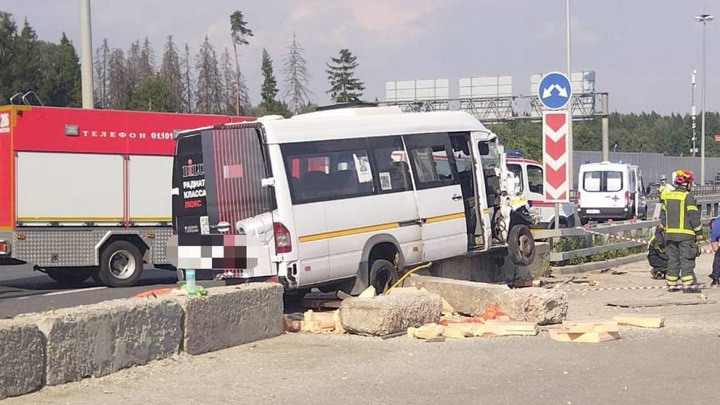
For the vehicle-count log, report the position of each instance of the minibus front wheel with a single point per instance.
(383, 275)
(521, 245)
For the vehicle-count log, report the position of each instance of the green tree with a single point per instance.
(61, 84)
(8, 34)
(268, 90)
(154, 93)
(239, 32)
(344, 87)
(26, 64)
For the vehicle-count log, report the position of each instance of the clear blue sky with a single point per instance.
(643, 51)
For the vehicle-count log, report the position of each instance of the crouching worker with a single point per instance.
(657, 257)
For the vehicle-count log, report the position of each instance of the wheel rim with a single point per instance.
(525, 246)
(122, 264)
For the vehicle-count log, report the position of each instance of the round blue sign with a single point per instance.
(554, 90)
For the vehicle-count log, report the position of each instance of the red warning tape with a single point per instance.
(654, 287)
(644, 241)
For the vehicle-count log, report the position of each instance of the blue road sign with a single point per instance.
(554, 90)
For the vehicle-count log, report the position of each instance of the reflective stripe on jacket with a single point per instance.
(680, 214)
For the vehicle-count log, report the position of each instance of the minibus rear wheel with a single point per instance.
(383, 275)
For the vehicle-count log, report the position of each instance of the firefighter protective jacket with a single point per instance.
(680, 216)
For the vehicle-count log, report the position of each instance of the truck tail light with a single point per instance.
(3, 247)
(283, 241)
(627, 199)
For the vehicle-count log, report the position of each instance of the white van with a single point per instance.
(328, 199)
(611, 191)
(530, 175)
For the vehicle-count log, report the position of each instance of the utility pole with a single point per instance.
(693, 112)
(704, 19)
(571, 174)
(86, 58)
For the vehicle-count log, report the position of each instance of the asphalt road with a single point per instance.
(24, 290)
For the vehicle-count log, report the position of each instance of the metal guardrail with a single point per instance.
(708, 206)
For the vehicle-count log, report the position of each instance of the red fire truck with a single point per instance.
(86, 193)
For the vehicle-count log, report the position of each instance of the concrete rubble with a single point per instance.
(100, 339)
(22, 358)
(543, 306)
(225, 318)
(387, 314)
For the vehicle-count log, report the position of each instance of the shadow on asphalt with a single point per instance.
(39, 284)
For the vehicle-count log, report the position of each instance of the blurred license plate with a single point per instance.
(593, 211)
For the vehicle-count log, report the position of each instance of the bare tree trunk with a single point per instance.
(237, 80)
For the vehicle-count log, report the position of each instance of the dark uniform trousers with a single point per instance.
(681, 262)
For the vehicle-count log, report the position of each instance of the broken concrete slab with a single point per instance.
(100, 339)
(538, 305)
(386, 314)
(232, 316)
(22, 358)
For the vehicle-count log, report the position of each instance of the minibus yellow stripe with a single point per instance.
(447, 217)
(347, 232)
(371, 228)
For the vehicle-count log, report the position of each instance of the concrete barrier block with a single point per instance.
(100, 339)
(231, 316)
(22, 358)
(386, 314)
(525, 304)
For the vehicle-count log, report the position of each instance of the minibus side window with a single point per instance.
(391, 164)
(432, 160)
(328, 170)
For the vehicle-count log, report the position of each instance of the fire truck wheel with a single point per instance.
(521, 245)
(68, 275)
(383, 275)
(120, 264)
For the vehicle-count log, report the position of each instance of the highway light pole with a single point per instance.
(571, 174)
(704, 19)
(694, 113)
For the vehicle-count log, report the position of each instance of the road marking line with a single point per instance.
(62, 292)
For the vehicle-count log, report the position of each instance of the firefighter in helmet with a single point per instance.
(680, 220)
(664, 187)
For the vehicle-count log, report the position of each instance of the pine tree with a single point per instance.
(133, 65)
(26, 64)
(100, 79)
(208, 93)
(344, 87)
(297, 92)
(61, 82)
(269, 89)
(239, 32)
(229, 83)
(187, 83)
(170, 72)
(120, 85)
(8, 34)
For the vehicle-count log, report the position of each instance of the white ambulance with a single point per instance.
(609, 190)
(342, 198)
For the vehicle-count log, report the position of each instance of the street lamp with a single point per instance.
(704, 19)
(694, 113)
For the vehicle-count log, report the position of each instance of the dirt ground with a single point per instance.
(675, 364)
